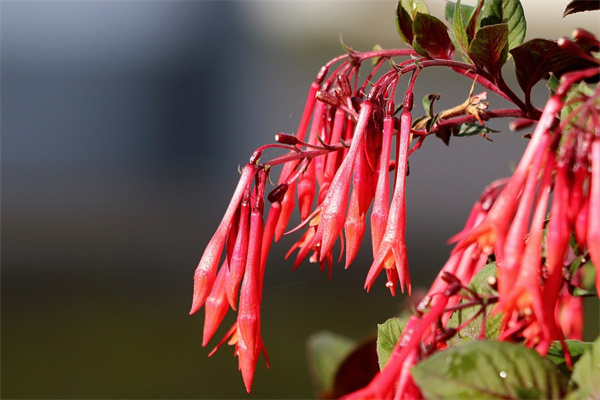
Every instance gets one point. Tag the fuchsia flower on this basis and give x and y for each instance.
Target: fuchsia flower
(345, 165)
(391, 252)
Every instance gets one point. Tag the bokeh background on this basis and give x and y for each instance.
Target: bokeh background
(122, 127)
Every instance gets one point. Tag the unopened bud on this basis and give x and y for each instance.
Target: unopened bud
(445, 335)
(453, 288)
(329, 98)
(255, 156)
(259, 204)
(582, 36)
(286, 138)
(390, 107)
(372, 94)
(423, 304)
(570, 46)
(277, 194)
(449, 278)
(520, 123)
(321, 74)
(408, 101)
(344, 83)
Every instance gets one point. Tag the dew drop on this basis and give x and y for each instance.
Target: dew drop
(502, 374)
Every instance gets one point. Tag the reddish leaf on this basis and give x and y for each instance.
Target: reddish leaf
(357, 370)
(473, 23)
(489, 49)
(431, 37)
(535, 59)
(576, 6)
(404, 25)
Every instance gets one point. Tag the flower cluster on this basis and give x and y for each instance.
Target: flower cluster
(349, 145)
(530, 246)
(350, 155)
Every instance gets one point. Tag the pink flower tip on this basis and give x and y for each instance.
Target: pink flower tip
(203, 282)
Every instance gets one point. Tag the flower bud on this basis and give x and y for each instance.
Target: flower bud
(286, 138)
(453, 288)
(445, 335)
(276, 195)
(344, 83)
(584, 37)
(329, 98)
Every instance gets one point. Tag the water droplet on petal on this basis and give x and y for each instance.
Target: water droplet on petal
(502, 374)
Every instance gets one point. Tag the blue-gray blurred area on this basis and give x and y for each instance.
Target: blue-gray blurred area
(123, 124)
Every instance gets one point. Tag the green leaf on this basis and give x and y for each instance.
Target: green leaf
(475, 20)
(428, 103)
(589, 276)
(388, 335)
(488, 370)
(471, 129)
(326, 351)
(460, 32)
(467, 12)
(536, 58)
(573, 99)
(489, 49)
(552, 83)
(576, 6)
(375, 60)
(431, 36)
(346, 48)
(413, 7)
(404, 24)
(586, 373)
(557, 355)
(480, 285)
(509, 12)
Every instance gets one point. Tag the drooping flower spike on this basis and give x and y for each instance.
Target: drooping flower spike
(338, 165)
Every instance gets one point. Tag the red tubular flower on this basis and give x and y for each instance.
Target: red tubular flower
(557, 240)
(569, 312)
(525, 294)
(237, 262)
(206, 272)
(491, 234)
(307, 186)
(511, 261)
(363, 176)
(392, 250)
(379, 215)
(333, 209)
(216, 305)
(250, 342)
(334, 158)
(399, 363)
(288, 202)
(354, 228)
(593, 230)
(270, 226)
(581, 224)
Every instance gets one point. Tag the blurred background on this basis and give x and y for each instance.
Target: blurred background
(123, 124)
